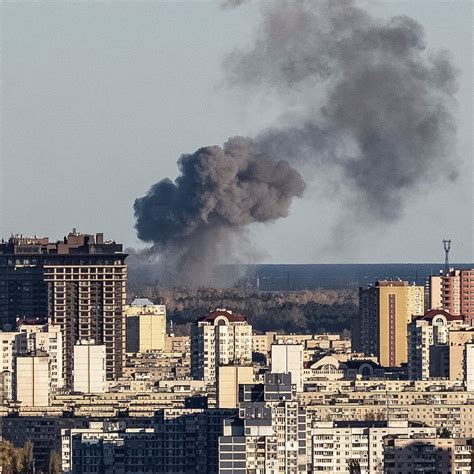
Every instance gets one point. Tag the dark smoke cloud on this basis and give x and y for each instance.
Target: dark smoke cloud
(368, 104)
(373, 102)
(197, 220)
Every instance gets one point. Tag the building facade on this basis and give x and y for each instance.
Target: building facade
(89, 367)
(453, 292)
(79, 283)
(385, 309)
(146, 326)
(428, 349)
(220, 338)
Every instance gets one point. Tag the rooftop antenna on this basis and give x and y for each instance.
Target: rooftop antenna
(447, 248)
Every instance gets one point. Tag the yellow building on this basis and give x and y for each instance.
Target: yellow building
(386, 309)
(146, 326)
(228, 380)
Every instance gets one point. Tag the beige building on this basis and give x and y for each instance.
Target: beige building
(336, 445)
(228, 381)
(404, 455)
(45, 337)
(32, 380)
(428, 350)
(458, 342)
(89, 367)
(146, 326)
(220, 338)
(385, 310)
(11, 345)
(469, 364)
(177, 344)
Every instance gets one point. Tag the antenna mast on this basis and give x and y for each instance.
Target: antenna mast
(447, 248)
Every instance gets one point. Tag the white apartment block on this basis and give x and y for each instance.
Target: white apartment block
(89, 367)
(32, 380)
(221, 338)
(11, 344)
(288, 359)
(46, 338)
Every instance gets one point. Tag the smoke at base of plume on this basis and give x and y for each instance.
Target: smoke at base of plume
(372, 101)
(198, 220)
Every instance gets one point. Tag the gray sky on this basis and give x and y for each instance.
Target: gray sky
(99, 99)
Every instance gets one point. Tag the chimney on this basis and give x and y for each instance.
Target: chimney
(99, 238)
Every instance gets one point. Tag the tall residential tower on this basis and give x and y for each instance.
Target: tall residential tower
(78, 282)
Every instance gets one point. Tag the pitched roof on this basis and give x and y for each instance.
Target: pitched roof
(432, 313)
(211, 317)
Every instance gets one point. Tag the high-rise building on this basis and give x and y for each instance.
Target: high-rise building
(288, 359)
(89, 367)
(453, 292)
(428, 350)
(146, 326)
(270, 433)
(220, 338)
(459, 341)
(79, 283)
(385, 309)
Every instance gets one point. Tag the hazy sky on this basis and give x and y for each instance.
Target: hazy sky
(99, 99)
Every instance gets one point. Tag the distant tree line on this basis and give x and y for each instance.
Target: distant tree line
(315, 311)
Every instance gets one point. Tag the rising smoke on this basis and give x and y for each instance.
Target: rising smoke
(371, 100)
(367, 100)
(195, 222)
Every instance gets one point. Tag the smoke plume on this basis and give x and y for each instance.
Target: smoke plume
(197, 220)
(364, 102)
(370, 100)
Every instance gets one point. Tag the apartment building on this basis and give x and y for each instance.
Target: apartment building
(78, 282)
(175, 441)
(270, 433)
(146, 326)
(43, 336)
(453, 292)
(338, 445)
(11, 344)
(220, 338)
(458, 341)
(385, 310)
(405, 455)
(428, 349)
